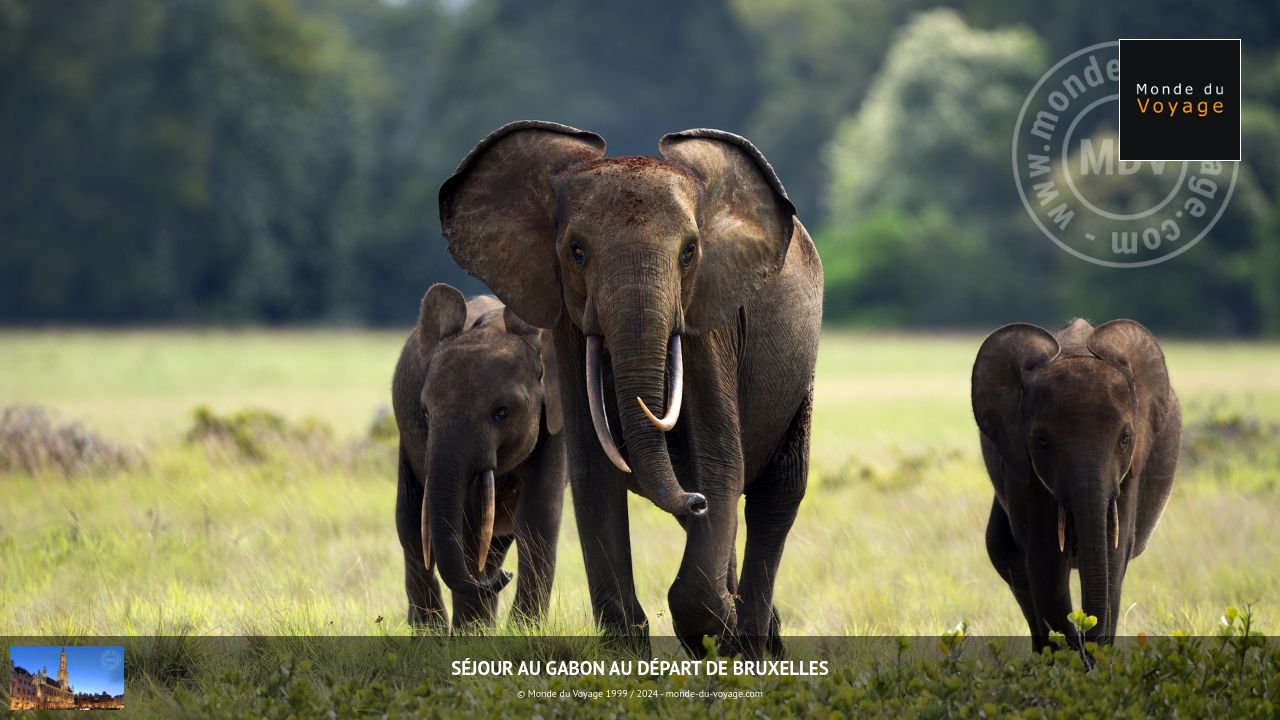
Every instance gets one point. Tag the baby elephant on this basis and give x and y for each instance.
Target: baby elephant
(1080, 433)
(482, 460)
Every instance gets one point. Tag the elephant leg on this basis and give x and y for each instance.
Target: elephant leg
(426, 603)
(599, 504)
(773, 501)
(1049, 575)
(600, 510)
(1118, 568)
(1010, 563)
(470, 609)
(700, 599)
(537, 521)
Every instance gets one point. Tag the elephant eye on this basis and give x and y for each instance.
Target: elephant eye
(1125, 440)
(689, 253)
(578, 252)
(500, 413)
(1042, 442)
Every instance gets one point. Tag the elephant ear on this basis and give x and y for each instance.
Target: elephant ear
(497, 211)
(541, 341)
(442, 315)
(1003, 360)
(1133, 347)
(745, 219)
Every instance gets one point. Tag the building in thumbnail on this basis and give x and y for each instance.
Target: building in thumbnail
(38, 691)
(99, 701)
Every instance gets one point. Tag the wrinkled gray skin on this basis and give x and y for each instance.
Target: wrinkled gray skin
(701, 245)
(1085, 421)
(463, 361)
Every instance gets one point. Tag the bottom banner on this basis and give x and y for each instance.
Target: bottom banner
(1233, 674)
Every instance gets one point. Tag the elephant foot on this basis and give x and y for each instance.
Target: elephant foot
(755, 646)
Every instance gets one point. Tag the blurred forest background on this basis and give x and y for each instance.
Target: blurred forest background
(277, 161)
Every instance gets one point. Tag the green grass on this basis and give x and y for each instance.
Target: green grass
(889, 539)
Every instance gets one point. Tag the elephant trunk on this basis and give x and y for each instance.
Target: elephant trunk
(445, 531)
(1094, 534)
(638, 316)
(642, 376)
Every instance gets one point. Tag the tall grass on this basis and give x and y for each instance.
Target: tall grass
(888, 541)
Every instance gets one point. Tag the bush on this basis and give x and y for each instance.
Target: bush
(258, 436)
(30, 442)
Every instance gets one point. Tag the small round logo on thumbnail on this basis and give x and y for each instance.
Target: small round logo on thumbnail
(111, 659)
(1114, 213)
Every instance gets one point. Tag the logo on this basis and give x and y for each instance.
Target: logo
(111, 659)
(1082, 196)
(1180, 100)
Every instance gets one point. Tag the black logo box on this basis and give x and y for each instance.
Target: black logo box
(1187, 68)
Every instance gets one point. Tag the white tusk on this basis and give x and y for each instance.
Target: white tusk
(1062, 529)
(675, 362)
(486, 520)
(595, 398)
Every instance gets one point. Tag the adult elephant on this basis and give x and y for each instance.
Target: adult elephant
(685, 301)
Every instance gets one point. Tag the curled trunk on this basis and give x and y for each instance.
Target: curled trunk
(445, 491)
(640, 368)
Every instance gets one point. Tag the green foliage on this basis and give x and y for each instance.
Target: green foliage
(383, 429)
(253, 432)
(924, 228)
(177, 161)
(277, 161)
(909, 229)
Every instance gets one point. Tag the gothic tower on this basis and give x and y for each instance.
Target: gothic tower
(62, 671)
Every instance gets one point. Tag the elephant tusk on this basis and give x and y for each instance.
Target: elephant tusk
(1115, 524)
(675, 363)
(426, 533)
(1062, 529)
(595, 398)
(486, 520)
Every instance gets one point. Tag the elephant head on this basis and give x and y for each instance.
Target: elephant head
(1079, 420)
(634, 252)
(485, 401)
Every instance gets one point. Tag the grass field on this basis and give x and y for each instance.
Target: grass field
(889, 539)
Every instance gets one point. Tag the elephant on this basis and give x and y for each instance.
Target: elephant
(1080, 433)
(482, 460)
(684, 300)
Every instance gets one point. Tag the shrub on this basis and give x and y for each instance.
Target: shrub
(30, 442)
(257, 435)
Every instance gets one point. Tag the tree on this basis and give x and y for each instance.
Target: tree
(924, 224)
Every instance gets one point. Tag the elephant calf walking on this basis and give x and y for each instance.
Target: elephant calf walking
(482, 461)
(1080, 433)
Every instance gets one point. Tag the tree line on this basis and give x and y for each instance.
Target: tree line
(277, 161)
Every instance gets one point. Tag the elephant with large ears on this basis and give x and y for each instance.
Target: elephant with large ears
(1080, 432)
(685, 302)
(482, 459)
